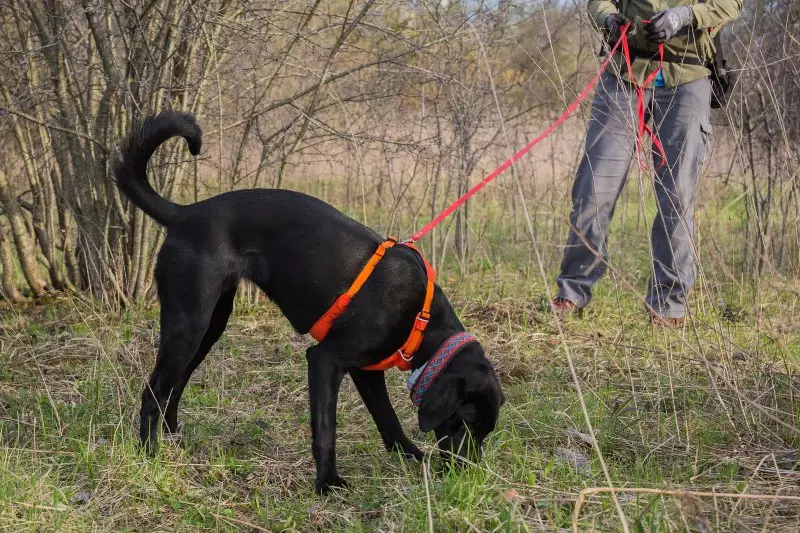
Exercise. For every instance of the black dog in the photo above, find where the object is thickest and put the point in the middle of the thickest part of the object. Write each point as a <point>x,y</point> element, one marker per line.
<point>303,254</point>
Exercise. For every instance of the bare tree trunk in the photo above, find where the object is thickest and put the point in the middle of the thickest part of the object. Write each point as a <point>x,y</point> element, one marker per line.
<point>9,288</point>
<point>37,208</point>
<point>26,248</point>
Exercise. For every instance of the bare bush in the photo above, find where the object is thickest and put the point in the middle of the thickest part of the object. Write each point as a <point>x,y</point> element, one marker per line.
<point>764,120</point>
<point>388,109</point>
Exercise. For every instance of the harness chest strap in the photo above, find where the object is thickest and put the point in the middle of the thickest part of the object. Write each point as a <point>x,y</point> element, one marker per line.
<point>402,357</point>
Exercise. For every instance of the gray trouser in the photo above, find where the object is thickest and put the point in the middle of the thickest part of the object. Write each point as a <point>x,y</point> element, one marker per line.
<point>680,116</point>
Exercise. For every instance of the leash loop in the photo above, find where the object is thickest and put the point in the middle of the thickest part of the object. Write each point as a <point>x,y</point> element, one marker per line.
<point>640,107</point>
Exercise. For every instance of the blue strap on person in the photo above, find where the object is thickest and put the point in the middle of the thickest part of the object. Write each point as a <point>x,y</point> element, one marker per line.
<point>660,79</point>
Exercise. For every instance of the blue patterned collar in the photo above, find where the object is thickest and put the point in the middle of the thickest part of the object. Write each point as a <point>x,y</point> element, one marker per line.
<point>422,378</point>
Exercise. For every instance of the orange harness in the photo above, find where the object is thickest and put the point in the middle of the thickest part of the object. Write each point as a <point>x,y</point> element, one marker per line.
<point>402,357</point>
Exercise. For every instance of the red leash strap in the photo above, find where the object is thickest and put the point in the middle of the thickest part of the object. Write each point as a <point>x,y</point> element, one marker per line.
<point>623,41</point>
<point>640,110</point>
<point>403,356</point>
<point>514,158</point>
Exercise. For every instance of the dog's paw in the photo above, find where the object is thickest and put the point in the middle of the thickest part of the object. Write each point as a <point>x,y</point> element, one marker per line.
<point>149,447</point>
<point>173,433</point>
<point>174,428</point>
<point>407,449</point>
<point>324,485</point>
<point>175,438</point>
<point>415,454</point>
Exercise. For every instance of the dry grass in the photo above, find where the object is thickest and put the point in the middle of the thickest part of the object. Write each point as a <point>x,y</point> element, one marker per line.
<point>681,416</point>
<point>710,409</point>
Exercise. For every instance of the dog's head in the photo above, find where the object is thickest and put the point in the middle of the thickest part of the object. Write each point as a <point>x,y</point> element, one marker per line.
<point>464,401</point>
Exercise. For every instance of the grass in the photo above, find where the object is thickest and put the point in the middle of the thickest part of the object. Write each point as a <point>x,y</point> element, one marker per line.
<point>711,408</point>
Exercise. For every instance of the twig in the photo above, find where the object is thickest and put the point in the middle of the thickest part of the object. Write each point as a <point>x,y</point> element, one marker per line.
<point>668,492</point>
<point>540,264</point>
<point>425,467</point>
<point>54,127</point>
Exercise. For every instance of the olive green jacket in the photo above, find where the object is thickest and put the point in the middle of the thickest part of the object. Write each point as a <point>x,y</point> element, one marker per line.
<point>693,44</point>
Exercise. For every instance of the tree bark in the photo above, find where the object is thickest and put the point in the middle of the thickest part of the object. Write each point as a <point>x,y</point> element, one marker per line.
<point>26,247</point>
<point>8,288</point>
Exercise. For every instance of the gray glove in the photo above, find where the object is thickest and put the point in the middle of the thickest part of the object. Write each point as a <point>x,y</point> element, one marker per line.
<point>665,25</point>
<point>614,23</point>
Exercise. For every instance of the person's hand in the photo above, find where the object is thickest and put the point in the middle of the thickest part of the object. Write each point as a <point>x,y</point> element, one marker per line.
<point>614,23</point>
<point>665,25</point>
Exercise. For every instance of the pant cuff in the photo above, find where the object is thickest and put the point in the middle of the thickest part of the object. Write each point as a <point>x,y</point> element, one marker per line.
<point>573,296</point>
<point>668,311</point>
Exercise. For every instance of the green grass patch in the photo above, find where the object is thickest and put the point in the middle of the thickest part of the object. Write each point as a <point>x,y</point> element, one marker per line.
<point>710,408</point>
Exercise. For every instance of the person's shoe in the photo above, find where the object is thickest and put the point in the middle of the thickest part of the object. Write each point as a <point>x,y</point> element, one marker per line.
<point>658,321</point>
<point>563,307</point>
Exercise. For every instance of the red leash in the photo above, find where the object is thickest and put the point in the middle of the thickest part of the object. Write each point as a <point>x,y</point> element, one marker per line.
<point>623,40</point>
<point>643,127</point>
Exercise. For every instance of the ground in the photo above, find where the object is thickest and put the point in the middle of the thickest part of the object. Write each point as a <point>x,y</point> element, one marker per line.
<point>699,414</point>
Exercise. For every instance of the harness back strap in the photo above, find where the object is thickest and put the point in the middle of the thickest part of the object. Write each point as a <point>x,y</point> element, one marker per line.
<point>322,326</point>
<point>402,357</point>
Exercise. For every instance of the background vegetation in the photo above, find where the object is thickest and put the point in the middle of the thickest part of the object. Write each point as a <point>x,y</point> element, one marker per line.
<point>388,110</point>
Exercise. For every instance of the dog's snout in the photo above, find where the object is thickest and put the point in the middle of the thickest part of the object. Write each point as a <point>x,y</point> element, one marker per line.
<point>461,448</point>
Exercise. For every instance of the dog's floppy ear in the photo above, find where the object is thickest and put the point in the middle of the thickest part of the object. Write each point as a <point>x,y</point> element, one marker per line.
<point>441,401</point>
<point>500,392</point>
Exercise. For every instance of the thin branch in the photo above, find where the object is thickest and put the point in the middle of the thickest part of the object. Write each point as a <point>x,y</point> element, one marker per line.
<point>55,127</point>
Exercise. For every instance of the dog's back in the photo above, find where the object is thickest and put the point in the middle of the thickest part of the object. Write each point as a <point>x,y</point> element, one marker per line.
<point>268,236</point>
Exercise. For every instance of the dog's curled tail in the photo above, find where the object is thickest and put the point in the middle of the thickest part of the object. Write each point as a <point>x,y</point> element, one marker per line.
<point>130,164</point>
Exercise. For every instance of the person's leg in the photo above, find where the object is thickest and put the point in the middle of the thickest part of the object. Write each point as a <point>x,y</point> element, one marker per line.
<point>610,141</point>
<point>681,116</point>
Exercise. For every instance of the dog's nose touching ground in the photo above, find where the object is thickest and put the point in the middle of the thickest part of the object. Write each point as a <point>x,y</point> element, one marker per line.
<point>460,448</point>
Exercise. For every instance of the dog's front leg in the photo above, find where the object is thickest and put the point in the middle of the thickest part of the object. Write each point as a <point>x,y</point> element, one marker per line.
<point>371,385</point>
<point>324,380</point>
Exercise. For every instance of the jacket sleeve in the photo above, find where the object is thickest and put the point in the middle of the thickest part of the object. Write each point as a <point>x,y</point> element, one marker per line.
<point>715,13</point>
<point>600,9</point>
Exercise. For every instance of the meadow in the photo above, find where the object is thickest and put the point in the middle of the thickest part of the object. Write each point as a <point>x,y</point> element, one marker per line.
<point>696,426</point>
<point>389,110</point>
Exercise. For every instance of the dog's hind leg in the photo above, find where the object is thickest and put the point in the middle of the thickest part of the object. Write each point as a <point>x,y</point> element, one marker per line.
<point>189,287</point>
<point>219,321</point>
<point>324,380</point>
<point>371,385</point>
